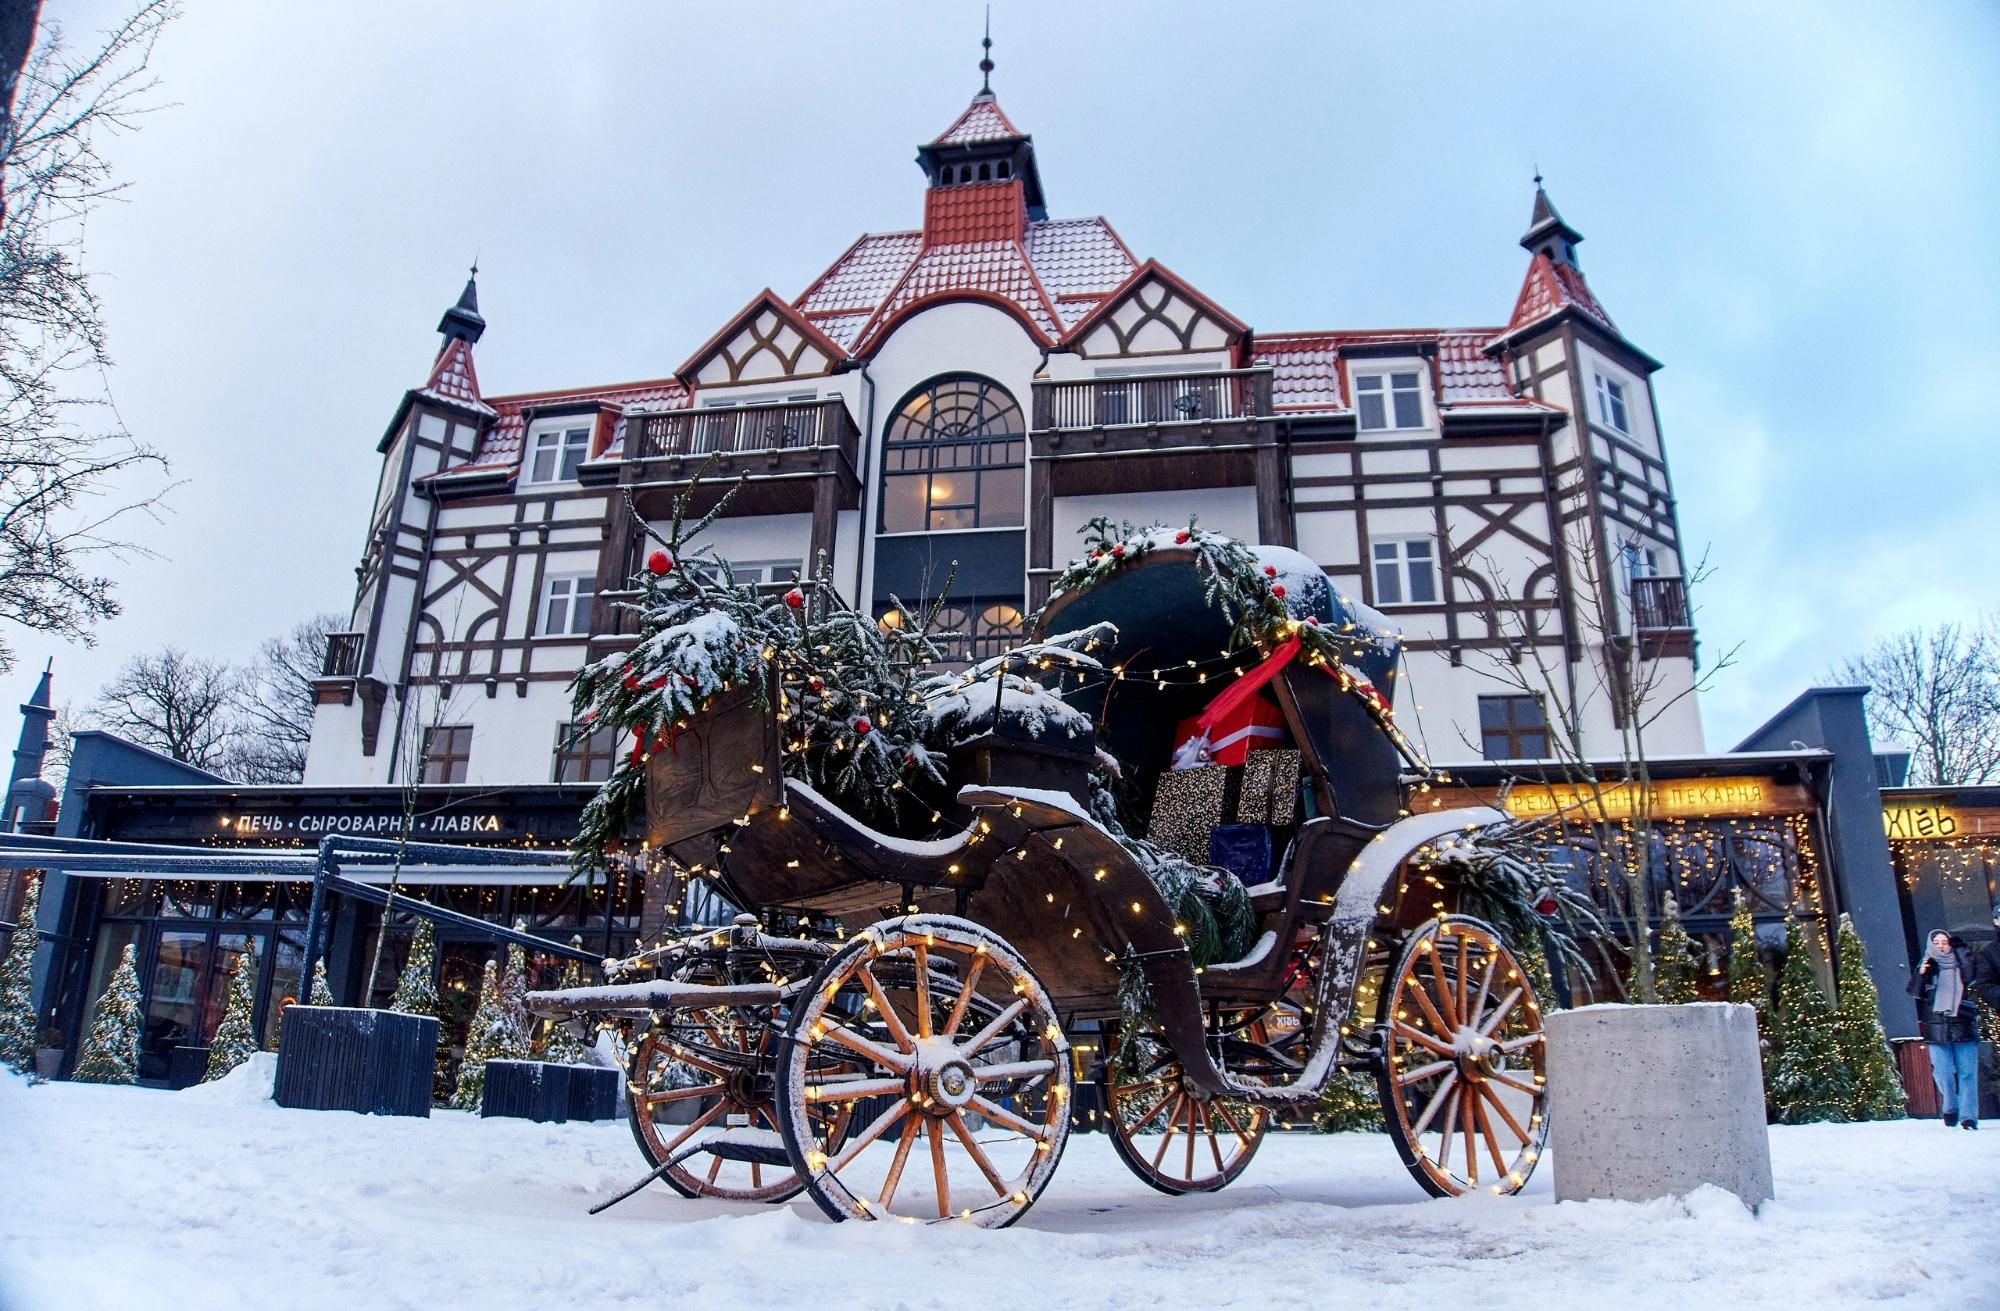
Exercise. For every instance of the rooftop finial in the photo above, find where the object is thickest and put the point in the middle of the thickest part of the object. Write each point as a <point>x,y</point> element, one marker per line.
<point>986,56</point>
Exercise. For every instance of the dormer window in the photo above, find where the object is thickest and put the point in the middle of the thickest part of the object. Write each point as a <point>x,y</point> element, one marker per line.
<point>1611,404</point>
<point>557,452</point>
<point>1389,400</point>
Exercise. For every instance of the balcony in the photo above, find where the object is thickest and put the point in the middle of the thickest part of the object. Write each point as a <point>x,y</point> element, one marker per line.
<point>1102,434</point>
<point>343,655</point>
<point>784,448</point>
<point>1661,619</point>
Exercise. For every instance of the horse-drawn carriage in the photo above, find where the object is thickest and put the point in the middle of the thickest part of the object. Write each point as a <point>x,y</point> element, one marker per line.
<point>922,1059</point>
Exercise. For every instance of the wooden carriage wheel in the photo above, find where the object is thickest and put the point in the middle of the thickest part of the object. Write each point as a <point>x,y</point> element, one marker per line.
<point>1462,1082</point>
<point>701,1073</point>
<point>936,1035</point>
<point>1171,1134</point>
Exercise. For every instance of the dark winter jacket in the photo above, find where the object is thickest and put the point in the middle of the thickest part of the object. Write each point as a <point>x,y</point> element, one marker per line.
<point>1962,1025</point>
<point>1986,974</point>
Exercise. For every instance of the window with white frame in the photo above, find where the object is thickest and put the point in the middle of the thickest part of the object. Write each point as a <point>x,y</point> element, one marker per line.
<point>1405,572</point>
<point>1391,399</point>
<point>756,573</point>
<point>566,602</point>
<point>555,453</point>
<point>1611,404</point>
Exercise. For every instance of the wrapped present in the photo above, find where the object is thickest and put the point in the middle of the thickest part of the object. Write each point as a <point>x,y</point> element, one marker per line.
<point>1270,790</point>
<point>1242,849</point>
<point>1229,737</point>
<point>1187,804</point>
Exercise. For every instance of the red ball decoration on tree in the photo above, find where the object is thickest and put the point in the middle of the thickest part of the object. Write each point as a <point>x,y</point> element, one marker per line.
<point>815,685</point>
<point>1180,538</point>
<point>659,562</point>
<point>1546,904</point>
<point>1278,590</point>
<point>1270,571</point>
<point>862,727</point>
<point>795,598</point>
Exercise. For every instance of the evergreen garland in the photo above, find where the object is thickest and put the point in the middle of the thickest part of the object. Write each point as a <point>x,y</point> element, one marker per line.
<point>235,1037</point>
<point>1512,876</point>
<point>111,1051</point>
<point>19,1024</point>
<point>1808,1082</point>
<point>1676,968</point>
<point>416,986</point>
<point>1859,1038</point>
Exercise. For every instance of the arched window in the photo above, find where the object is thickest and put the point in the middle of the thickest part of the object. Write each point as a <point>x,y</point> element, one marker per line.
<point>954,456</point>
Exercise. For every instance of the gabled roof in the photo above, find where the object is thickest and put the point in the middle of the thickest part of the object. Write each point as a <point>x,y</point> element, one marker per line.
<point>765,300</point>
<point>983,120</point>
<point>1152,268</point>
<point>1307,373</point>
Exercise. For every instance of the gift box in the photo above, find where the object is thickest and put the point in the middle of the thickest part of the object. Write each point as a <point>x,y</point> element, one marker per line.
<point>1242,849</point>
<point>1186,805</point>
<point>1254,724</point>
<point>1270,790</point>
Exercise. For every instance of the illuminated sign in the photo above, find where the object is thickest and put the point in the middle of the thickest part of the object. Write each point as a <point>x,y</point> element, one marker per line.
<point>1681,798</point>
<point>386,824</point>
<point>1917,823</point>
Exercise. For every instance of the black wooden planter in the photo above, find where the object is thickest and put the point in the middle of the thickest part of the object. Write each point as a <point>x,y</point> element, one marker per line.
<point>343,1058</point>
<point>551,1093</point>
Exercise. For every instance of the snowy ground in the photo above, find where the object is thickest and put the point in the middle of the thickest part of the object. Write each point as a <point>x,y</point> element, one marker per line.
<point>215,1198</point>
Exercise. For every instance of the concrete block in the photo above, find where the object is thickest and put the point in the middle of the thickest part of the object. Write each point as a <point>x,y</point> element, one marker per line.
<point>1655,1101</point>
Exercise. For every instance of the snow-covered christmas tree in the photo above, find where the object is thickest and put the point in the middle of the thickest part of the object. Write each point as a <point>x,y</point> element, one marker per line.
<point>497,1033</point>
<point>1349,1103</point>
<point>1858,1035</point>
<point>1748,985</point>
<point>416,987</point>
<point>1808,1081</point>
<point>1676,968</point>
<point>235,1037</point>
<point>111,1051</point>
<point>19,1024</point>
<point>558,1043</point>
<point>321,994</point>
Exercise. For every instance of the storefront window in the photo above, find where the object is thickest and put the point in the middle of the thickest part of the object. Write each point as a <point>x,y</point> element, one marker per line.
<point>287,956</point>
<point>173,1001</point>
<point>187,900</point>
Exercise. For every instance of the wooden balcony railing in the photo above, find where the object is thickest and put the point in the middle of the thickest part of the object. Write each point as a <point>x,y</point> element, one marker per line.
<point>742,429</point>
<point>1153,399</point>
<point>343,655</point>
<point>1659,603</point>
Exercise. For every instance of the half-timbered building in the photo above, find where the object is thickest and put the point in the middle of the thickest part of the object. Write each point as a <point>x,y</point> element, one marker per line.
<point>956,401</point>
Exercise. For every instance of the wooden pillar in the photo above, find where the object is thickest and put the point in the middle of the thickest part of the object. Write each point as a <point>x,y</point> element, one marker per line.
<point>1274,512</point>
<point>825,522</point>
<point>1041,527</point>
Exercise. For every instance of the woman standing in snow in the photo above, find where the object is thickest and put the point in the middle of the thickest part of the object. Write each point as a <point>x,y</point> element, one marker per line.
<point>1950,1025</point>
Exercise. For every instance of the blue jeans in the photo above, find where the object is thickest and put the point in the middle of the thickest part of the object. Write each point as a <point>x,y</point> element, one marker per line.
<point>1955,1071</point>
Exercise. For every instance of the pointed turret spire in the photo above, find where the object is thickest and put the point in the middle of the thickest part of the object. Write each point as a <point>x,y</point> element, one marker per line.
<point>986,56</point>
<point>36,716</point>
<point>462,321</point>
<point>1547,233</point>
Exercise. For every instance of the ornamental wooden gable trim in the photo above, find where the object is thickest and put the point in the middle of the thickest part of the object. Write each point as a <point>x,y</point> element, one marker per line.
<point>768,340</point>
<point>1155,312</point>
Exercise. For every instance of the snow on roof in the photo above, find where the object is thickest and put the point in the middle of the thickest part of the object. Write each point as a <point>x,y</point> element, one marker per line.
<point>1306,369</point>
<point>1078,258</point>
<point>453,379</point>
<point>862,276</point>
<point>1549,288</point>
<point>982,120</point>
<point>502,442</point>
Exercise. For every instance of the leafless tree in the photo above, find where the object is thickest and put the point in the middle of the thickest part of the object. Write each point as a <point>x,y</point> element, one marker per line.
<point>63,728</point>
<point>71,476</point>
<point>1619,673</point>
<point>175,703</point>
<point>274,706</point>
<point>1936,691</point>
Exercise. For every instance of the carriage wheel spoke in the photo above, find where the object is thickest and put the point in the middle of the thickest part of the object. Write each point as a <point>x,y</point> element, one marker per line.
<point>1513,1045</point>
<point>701,1121</point>
<point>1515,1084</point>
<point>1486,1131</point>
<point>875,1052</point>
<point>1421,1038</point>
<point>1441,983</point>
<point>890,1020</point>
<point>1485,990</point>
<point>1463,973</point>
<point>1173,1122</point>
<point>965,993</point>
<point>1229,1118</point>
<point>923,991</point>
<point>1166,1099</point>
<point>854,1089</point>
<point>936,1131</point>
<point>1031,1070</point>
<point>1450,1126</point>
<point>910,1127</point>
<point>1194,1109</point>
<point>874,1130</point>
<point>1500,1013</point>
<point>1001,1115</point>
<point>1445,1085</point>
<point>1514,1126</point>
<point>980,1041</point>
<point>1214,1140</point>
<point>714,1168</point>
<point>977,1153</point>
<point>1422,1072</point>
<point>1415,988</point>
<point>682,1094</point>
<point>1471,1134</point>
<point>685,1056</point>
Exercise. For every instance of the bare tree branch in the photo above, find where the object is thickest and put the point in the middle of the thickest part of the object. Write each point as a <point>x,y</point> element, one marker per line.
<point>1937,692</point>
<point>175,703</point>
<point>274,703</point>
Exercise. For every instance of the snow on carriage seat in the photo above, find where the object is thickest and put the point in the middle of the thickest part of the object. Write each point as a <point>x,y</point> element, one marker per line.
<point>922,848</point>
<point>1309,591</point>
<point>965,710</point>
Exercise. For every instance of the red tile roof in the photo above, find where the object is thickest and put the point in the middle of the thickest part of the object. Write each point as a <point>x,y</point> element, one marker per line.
<point>991,211</point>
<point>1306,372</point>
<point>453,378</point>
<point>501,444</point>
<point>981,121</point>
<point>1550,288</point>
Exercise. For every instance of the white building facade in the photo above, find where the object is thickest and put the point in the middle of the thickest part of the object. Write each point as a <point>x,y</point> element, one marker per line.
<point>958,400</point>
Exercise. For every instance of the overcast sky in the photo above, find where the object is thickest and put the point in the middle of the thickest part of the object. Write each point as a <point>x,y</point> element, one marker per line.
<point>1795,207</point>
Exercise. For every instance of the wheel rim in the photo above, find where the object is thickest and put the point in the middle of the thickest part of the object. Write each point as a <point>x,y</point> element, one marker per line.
<point>707,1069</point>
<point>1464,1089</point>
<point>949,1054</point>
<point>1171,1134</point>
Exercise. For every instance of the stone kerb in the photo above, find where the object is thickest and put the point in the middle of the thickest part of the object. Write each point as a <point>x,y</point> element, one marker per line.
<point>1655,1101</point>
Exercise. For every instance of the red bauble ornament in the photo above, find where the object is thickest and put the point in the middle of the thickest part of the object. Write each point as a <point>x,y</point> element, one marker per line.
<point>863,727</point>
<point>659,682</point>
<point>631,682</point>
<point>795,598</point>
<point>1270,571</point>
<point>1546,904</point>
<point>909,762</point>
<point>815,685</point>
<point>1278,590</point>
<point>1118,550</point>
<point>1180,538</point>
<point>1313,620</point>
<point>659,562</point>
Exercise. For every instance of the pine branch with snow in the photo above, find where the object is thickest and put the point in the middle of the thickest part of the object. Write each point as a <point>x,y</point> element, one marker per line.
<point>20,1025</point>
